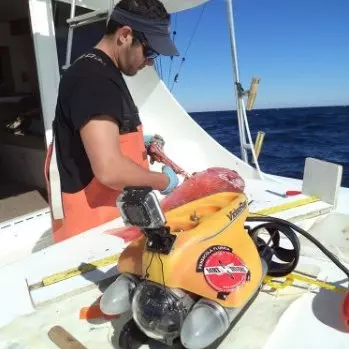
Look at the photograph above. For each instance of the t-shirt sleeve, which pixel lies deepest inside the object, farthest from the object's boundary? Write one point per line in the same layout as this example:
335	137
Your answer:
92	96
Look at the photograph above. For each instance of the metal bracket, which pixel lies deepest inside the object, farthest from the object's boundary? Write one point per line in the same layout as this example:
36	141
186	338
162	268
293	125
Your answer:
80	21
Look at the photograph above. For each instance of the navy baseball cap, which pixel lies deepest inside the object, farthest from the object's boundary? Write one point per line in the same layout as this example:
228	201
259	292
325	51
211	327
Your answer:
156	31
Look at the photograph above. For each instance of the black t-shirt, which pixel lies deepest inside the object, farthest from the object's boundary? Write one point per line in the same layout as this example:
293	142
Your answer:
92	86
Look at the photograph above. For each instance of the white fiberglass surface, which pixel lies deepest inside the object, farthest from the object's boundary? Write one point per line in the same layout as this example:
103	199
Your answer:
307	311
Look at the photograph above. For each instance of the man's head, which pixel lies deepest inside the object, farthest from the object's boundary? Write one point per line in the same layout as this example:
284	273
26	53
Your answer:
137	32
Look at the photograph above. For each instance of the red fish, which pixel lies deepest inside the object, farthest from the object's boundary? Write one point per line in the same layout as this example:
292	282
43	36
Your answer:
127	233
345	311
208	182
211	181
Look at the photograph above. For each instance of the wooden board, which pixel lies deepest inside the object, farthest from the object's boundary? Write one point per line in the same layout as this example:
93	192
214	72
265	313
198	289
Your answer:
64	339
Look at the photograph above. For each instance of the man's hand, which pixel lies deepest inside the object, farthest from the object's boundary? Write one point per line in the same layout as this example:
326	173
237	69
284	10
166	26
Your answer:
149	139
173	180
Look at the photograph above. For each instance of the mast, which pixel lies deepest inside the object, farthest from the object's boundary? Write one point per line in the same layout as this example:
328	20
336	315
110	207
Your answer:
240	104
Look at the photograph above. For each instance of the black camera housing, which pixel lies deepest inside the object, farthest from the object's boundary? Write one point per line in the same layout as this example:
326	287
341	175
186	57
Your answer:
140	207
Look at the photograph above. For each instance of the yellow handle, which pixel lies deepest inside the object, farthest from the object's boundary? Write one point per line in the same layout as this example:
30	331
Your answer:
268	280
252	93
259	143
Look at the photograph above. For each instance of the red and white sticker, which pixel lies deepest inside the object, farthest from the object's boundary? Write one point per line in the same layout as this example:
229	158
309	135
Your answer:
224	271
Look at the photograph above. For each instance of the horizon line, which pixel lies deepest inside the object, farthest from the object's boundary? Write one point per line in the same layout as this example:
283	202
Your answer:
270	108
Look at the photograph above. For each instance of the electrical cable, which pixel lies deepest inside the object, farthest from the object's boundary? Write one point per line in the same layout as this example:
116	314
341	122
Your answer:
308	236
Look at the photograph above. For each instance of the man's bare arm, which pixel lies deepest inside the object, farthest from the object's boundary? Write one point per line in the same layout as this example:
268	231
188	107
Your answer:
100	137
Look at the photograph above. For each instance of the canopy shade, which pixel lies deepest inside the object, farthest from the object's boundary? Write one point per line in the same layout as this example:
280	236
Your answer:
171	5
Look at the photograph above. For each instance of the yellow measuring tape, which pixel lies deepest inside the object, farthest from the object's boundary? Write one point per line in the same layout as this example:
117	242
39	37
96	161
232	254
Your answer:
69	273
289	280
86	267
286	206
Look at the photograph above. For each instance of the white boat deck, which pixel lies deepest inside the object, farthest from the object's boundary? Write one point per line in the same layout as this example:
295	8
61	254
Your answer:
28	234
313	315
35	310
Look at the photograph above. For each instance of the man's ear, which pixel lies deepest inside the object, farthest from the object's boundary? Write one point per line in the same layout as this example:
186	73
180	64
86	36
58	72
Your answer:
124	34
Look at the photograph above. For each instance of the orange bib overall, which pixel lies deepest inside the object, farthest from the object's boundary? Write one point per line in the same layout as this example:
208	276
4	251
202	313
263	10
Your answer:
74	213
96	203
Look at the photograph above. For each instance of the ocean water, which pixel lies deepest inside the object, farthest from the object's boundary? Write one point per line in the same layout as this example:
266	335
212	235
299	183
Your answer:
291	135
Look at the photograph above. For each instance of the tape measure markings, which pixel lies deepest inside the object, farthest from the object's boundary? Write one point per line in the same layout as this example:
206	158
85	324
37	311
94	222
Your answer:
286	206
69	273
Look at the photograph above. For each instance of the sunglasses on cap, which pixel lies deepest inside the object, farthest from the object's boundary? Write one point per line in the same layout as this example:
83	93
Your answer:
148	52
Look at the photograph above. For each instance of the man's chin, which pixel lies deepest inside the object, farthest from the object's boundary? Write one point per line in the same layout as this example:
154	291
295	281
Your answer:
130	73
133	72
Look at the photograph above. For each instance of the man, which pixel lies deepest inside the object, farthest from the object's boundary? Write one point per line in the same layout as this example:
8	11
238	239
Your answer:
98	146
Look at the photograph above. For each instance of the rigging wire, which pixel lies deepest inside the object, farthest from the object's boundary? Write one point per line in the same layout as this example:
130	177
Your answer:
174	41
175	80
156	66
160	65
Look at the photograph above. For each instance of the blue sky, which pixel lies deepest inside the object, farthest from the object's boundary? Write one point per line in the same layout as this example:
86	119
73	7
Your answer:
299	49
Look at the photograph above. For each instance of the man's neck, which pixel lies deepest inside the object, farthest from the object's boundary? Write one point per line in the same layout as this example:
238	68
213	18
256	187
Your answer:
105	46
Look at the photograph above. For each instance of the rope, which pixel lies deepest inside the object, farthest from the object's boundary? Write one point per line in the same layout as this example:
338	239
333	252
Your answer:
156	66
175	80
170	71
160	64
174	41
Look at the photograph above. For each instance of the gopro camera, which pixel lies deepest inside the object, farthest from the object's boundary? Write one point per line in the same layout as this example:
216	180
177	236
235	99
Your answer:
140	207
